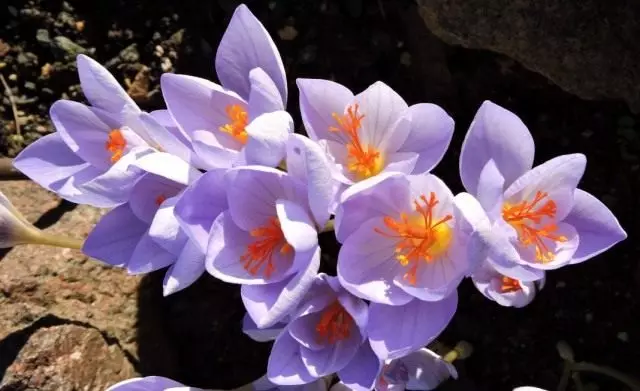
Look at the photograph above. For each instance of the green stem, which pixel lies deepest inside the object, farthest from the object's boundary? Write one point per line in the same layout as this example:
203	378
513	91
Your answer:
328	227
462	350
48	239
610	372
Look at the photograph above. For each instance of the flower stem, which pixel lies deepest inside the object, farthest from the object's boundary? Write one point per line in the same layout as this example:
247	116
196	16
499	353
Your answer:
328	227
462	350
633	383
57	241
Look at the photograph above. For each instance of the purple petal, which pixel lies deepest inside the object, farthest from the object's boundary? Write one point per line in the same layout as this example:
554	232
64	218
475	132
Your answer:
250	328
332	358
297	226
497	134
185	271
168	166
430	134
562	251
246	45
307	162
52	165
427	370
557	177
264	96
303	330
167	140
597	227
384	125
268	135
319	100
404	162
148	193
100	87
165	228
367	265
268	304
285	366
491	189
148	257
200	204
382	195
115	236
149	383
361	373
414	325
358	309
210	154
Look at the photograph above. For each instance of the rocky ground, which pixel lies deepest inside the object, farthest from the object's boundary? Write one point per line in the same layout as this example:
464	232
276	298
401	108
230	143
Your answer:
58	308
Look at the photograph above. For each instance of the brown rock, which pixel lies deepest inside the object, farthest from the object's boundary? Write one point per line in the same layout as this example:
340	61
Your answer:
67	358
587	47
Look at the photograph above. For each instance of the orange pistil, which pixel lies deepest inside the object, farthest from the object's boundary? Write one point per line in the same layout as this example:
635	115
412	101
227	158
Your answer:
526	218
509	285
334	324
259	254
160	199
238	121
116	144
421	237
363	162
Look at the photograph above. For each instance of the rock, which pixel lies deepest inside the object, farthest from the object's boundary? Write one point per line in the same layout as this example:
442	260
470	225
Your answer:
67	358
586	48
68	47
43	37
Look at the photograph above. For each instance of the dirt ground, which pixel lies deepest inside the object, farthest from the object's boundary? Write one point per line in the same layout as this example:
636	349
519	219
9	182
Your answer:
593	306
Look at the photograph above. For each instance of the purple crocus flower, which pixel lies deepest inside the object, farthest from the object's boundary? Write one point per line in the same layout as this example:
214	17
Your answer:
243	120
88	159
374	131
541	221
151	383
506	291
327	334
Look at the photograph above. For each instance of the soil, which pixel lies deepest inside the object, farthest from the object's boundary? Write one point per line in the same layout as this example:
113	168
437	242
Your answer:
592	306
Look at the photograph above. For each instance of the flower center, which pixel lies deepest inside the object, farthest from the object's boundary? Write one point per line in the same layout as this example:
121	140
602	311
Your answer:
259	254
115	144
509	285
363	161
160	199
334	324
238	121
527	218
421	237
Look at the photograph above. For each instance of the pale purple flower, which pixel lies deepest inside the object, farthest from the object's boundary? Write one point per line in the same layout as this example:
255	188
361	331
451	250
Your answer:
506	291
541	221
151	383
528	388
326	335
243	120
420	370
251	329
88	159
264	384
374	131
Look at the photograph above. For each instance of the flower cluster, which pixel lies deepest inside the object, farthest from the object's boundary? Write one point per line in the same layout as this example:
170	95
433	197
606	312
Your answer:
220	183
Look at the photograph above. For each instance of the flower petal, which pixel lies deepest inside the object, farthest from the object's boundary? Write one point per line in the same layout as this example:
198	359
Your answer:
200	204
100	87
498	134
285	366
149	383
185	271
250	328
115	236
210	154
597	227
148	257
165	228
332	358
297	226
319	100
268	304
562	251
427	370
361	373
264	96
168	166
415	324
149	192
490	189
268	135
429	136
557	177
167	140
404	162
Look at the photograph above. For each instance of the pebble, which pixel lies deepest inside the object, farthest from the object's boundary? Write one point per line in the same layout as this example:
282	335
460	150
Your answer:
166	64
288	33
405	59
623	336
29	85
43	37
48	91
13	77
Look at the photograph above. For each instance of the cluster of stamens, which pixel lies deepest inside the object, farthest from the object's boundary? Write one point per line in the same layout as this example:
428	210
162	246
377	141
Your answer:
238	121
508	285
259	254
334	324
115	144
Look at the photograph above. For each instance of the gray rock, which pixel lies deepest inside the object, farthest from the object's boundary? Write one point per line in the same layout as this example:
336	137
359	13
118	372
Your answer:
68	47
586	47
43	37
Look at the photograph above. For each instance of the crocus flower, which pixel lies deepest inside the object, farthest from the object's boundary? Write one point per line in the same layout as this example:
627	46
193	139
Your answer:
528	388
87	160
506	291
227	123
541	221
263	384
326	335
374	131
151	383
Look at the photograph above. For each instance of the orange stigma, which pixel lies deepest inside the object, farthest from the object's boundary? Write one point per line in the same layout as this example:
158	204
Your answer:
160	199
115	144
421	237
259	254
238	121
334	324
363	162
526	218
509	285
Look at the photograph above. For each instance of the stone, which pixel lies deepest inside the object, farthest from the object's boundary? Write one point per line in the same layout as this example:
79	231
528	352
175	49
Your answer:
583	46
67	358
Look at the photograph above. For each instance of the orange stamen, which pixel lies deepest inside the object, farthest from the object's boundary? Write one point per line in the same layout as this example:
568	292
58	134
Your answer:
238	121
527	219
364	162
160	199
115	144
259	254
421	237
509	285
334	324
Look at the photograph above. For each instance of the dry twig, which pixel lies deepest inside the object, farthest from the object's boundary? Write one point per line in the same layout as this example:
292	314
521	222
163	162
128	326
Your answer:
13	104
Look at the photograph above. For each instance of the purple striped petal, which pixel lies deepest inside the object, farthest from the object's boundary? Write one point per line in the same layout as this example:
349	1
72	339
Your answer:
361	373
319	100
285	366
185	271
264	96
268	135
100	87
